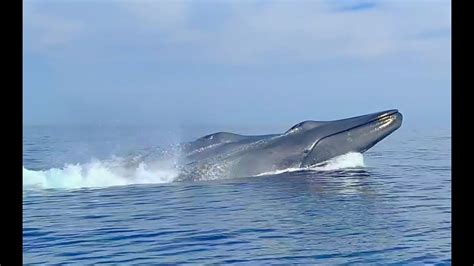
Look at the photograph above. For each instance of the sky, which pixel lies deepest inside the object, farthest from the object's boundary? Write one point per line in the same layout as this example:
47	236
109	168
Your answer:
183	62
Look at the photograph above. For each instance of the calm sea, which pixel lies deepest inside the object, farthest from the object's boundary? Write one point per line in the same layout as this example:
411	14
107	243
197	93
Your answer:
82	206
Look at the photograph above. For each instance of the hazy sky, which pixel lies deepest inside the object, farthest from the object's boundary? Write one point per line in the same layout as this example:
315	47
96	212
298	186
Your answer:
234	62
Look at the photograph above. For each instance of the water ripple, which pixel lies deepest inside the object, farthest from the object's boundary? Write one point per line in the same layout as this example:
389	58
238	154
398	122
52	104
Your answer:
397	210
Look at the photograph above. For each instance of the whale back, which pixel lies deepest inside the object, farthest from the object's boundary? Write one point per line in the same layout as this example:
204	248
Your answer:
212	140
304	126
219	137
220	143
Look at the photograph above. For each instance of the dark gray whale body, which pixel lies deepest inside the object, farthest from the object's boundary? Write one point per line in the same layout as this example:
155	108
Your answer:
306	144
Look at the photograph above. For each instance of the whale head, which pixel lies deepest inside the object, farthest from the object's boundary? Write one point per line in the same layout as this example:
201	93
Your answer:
319	141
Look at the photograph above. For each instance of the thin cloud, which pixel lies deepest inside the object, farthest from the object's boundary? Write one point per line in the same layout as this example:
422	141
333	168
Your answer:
44	32
356	6
134	60
256	33
298	31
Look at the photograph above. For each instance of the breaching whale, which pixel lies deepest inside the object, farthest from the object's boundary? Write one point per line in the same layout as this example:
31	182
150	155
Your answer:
309	143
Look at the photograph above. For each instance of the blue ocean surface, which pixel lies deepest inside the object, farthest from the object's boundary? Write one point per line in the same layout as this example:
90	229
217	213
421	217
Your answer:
83	204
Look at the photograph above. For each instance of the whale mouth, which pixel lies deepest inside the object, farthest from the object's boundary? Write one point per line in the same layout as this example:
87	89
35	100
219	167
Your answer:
383	120
364	133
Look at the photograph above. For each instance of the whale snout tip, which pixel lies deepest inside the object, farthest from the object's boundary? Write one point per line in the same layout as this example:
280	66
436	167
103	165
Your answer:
398	119
394	118
398	115
393	114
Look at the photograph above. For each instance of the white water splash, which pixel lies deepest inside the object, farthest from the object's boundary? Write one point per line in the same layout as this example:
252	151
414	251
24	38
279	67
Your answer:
119	172
348	160
98	174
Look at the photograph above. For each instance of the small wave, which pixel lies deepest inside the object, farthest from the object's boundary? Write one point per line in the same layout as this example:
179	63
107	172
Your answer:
97	174
348	160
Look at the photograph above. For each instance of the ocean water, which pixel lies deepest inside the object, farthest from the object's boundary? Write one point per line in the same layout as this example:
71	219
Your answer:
83	204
